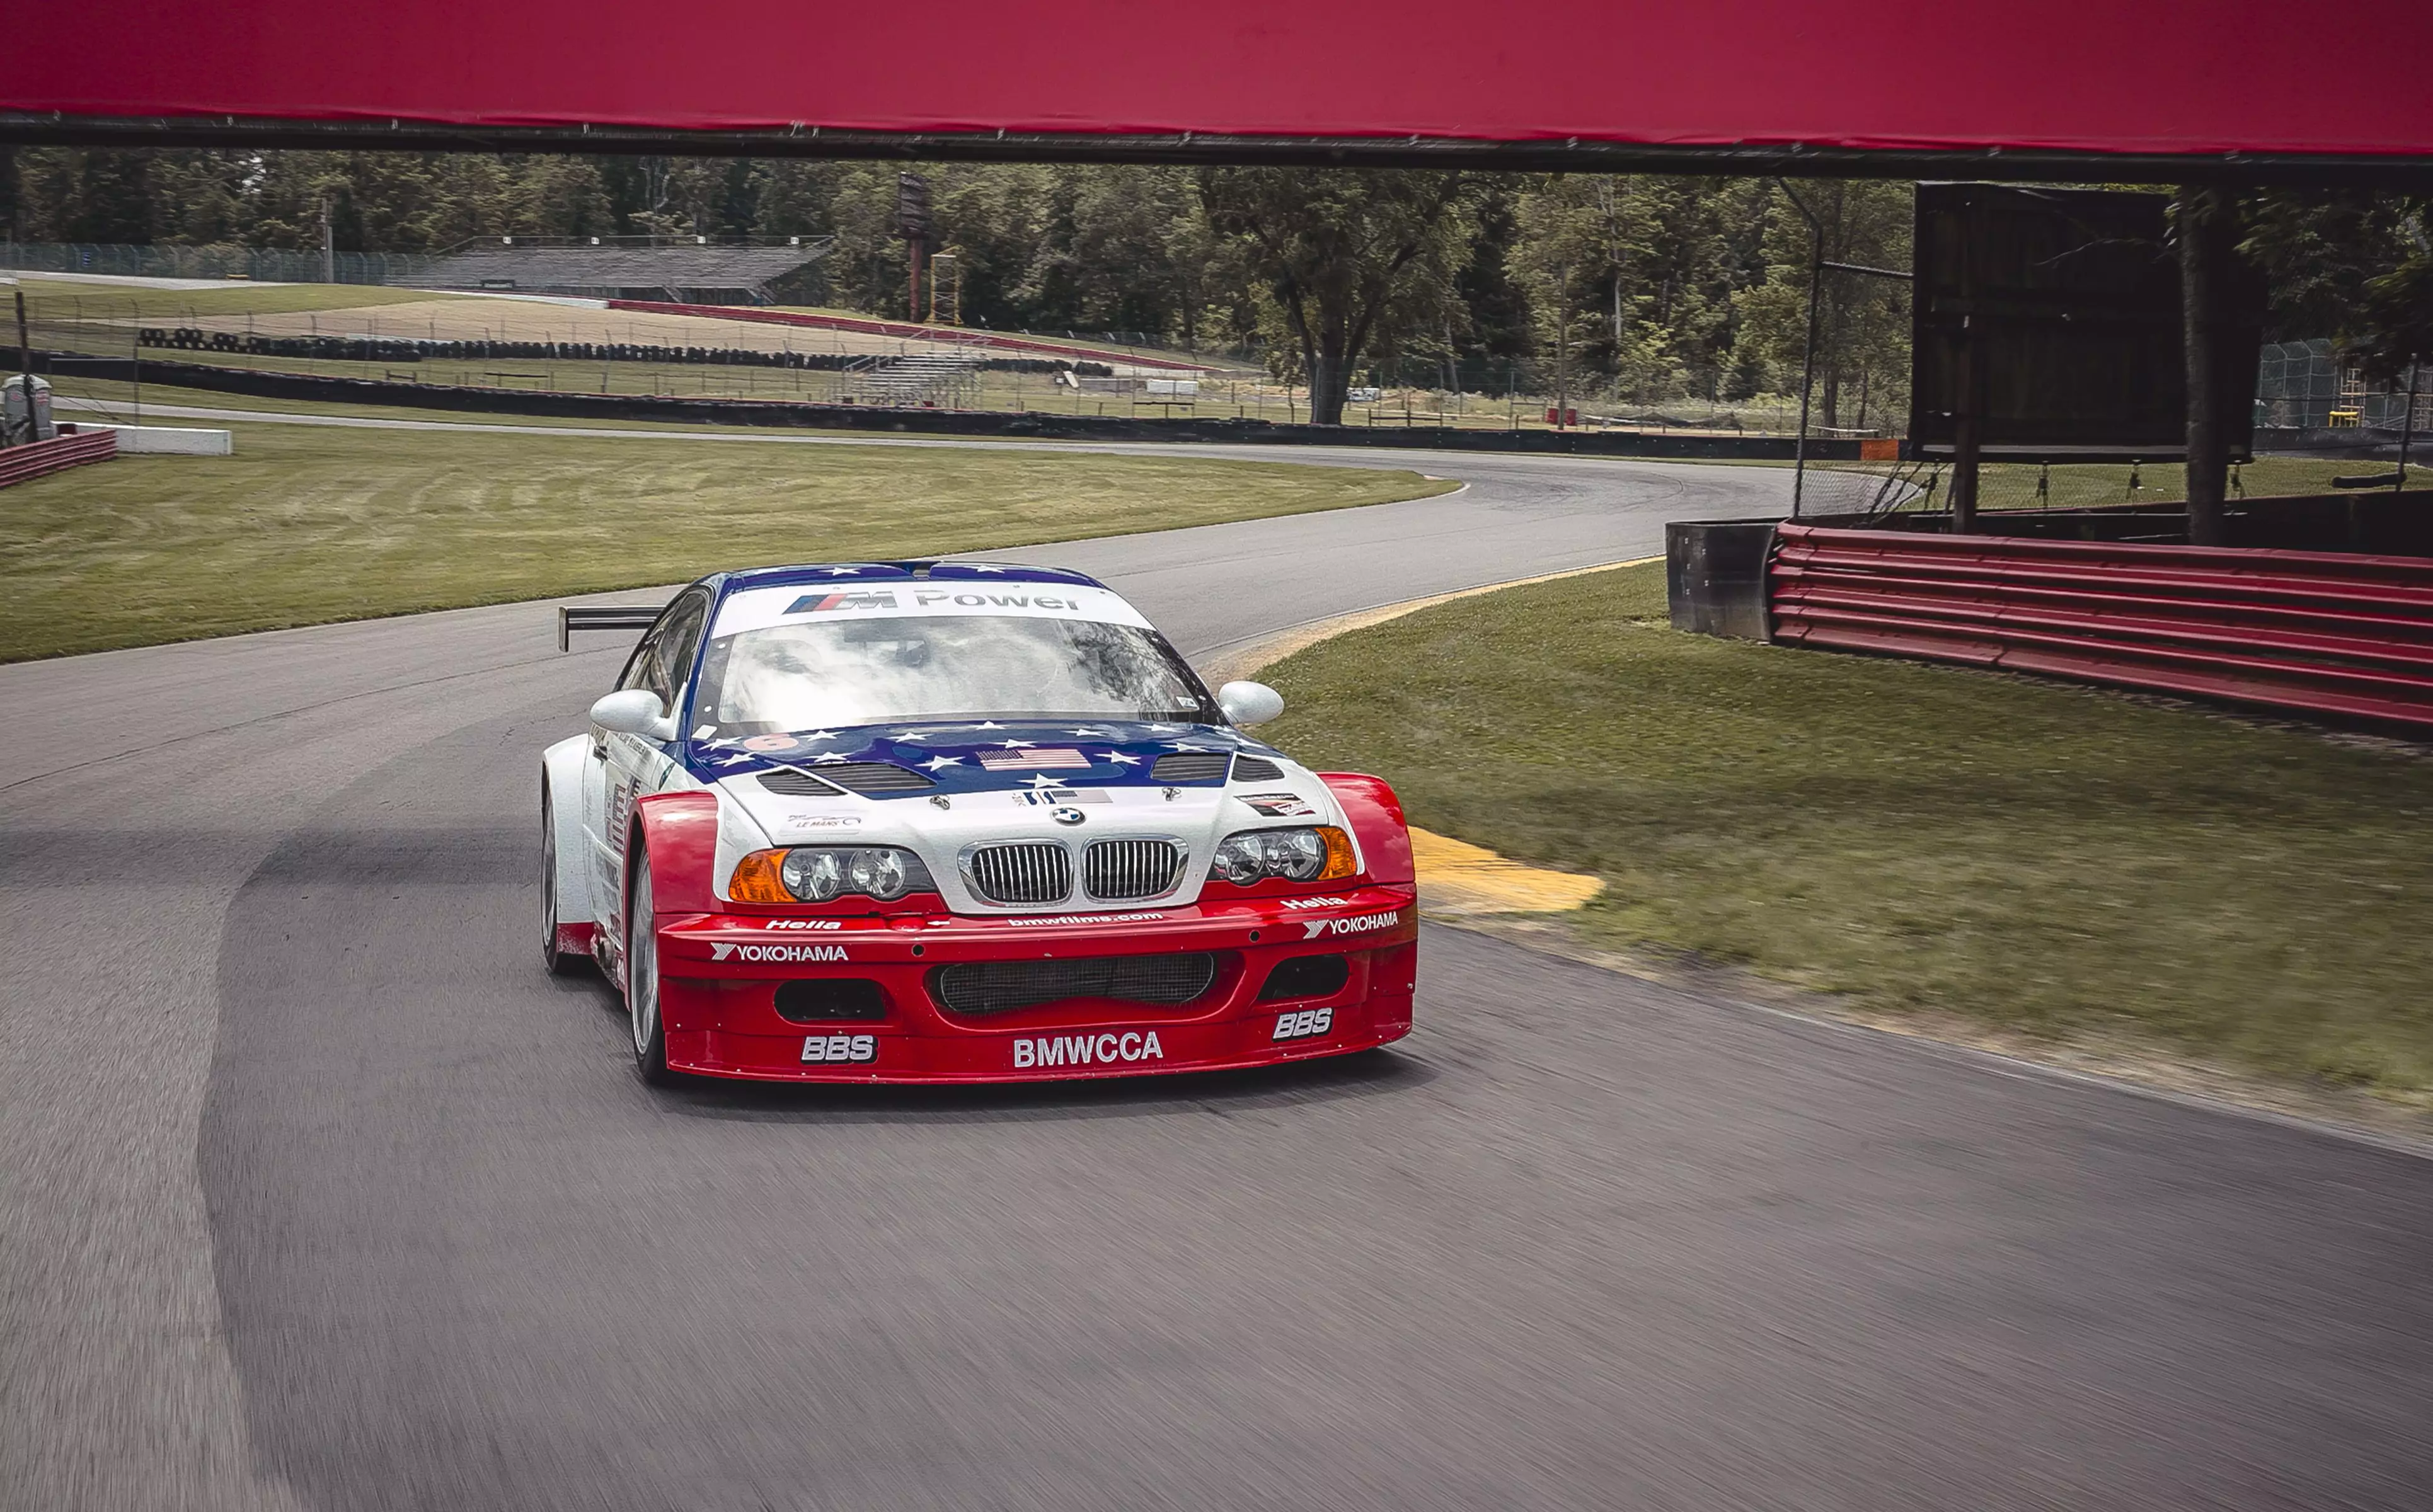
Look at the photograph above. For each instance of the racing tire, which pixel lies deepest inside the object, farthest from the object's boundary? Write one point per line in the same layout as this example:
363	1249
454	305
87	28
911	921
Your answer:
642	980
559	962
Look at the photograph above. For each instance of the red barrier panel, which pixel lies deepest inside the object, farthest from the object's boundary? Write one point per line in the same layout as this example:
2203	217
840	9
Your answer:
899	329
2079	76
2309	630
17	464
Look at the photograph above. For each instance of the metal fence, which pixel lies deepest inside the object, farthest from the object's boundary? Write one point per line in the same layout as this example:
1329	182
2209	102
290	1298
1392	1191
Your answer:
2307	385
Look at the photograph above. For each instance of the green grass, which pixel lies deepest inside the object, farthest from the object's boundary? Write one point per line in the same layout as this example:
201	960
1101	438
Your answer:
308	524
2045	858
1838	486
2013	485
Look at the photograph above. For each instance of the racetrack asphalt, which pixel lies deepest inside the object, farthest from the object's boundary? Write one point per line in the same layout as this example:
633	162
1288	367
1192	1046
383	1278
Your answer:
322	1195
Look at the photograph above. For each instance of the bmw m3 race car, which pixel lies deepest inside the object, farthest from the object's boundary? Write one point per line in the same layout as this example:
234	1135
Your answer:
948	822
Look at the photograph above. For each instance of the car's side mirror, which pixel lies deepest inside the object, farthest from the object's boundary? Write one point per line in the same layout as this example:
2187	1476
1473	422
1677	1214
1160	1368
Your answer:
633	711
1249	703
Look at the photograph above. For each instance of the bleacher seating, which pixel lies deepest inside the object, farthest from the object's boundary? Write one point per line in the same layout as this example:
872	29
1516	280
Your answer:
692	273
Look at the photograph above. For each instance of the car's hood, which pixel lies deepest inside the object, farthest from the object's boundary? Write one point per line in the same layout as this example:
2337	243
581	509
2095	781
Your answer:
1072	782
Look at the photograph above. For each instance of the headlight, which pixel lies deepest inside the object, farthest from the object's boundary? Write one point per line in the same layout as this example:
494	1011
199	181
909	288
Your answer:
1322	853
823	874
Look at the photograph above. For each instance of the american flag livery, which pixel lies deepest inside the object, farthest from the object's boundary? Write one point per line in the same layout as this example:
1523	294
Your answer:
1032	760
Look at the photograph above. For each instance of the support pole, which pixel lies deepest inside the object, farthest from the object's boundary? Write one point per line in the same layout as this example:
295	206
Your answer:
1562	343
2407	427
2202	275
1808	364
1967	427
26	366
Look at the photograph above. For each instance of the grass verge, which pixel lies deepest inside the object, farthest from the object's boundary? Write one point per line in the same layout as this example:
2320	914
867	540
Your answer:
307	524
2047	858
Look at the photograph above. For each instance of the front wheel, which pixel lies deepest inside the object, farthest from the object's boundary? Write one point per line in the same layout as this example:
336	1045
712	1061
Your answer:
642	980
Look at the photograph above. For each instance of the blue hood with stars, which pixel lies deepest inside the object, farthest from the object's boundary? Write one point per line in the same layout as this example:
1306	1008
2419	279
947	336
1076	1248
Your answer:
988	756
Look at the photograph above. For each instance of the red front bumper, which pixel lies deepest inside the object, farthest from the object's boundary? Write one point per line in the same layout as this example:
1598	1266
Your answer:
721	973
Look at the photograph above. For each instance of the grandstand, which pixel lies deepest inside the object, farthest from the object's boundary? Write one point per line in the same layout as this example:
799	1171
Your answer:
612	267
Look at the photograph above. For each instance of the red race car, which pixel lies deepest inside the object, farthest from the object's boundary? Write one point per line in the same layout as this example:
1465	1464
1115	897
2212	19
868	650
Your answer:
933	821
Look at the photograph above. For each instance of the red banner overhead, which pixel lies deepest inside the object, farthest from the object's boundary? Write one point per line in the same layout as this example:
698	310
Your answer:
2072	77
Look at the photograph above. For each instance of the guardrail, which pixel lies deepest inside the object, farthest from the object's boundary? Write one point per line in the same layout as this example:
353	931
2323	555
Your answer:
36	458
2323	634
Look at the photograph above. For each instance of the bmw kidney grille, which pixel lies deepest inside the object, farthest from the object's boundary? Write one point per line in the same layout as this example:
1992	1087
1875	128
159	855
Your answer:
1118	869
1021	871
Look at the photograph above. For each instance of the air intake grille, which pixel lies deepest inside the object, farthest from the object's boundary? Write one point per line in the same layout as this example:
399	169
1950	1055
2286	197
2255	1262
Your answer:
1190	765
797	785
1257	769
1002	986
875	776
1021	872
1116	869
1306	976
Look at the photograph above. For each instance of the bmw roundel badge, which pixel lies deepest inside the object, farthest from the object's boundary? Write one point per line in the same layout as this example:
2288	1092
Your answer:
1067	816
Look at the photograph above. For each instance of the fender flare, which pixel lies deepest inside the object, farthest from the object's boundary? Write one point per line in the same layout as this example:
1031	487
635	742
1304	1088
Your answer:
680	830
1377	823
561	788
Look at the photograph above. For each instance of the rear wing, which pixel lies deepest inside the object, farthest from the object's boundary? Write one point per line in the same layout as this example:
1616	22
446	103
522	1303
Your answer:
614	616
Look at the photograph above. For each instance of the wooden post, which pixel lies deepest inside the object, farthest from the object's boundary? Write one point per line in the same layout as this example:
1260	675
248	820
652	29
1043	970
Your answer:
2203	253
1967	430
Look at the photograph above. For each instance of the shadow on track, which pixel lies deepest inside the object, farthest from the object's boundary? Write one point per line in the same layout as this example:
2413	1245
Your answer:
1367	1074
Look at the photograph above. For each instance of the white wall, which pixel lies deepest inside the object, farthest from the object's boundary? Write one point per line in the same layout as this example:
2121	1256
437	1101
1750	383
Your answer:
138	440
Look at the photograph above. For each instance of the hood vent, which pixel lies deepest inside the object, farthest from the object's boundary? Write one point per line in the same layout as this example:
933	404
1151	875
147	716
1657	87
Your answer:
854	776
1190	765
1249	768
798	785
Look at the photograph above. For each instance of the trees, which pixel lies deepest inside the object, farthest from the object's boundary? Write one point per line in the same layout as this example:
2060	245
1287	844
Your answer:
1351	256
2352	264
1862	323
1653	288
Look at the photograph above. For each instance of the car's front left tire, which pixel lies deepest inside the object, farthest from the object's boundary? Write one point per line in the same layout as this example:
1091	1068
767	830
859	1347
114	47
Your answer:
642	980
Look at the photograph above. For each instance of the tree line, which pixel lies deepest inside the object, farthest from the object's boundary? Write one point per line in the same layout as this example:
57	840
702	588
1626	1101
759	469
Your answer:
1630	289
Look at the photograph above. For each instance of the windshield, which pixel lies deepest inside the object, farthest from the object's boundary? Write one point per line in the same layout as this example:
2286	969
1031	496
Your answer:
806	676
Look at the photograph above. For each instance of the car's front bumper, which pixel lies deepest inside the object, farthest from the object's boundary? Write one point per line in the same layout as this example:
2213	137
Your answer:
719	976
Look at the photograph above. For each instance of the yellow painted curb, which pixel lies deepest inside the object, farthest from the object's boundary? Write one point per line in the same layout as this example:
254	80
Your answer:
1458	877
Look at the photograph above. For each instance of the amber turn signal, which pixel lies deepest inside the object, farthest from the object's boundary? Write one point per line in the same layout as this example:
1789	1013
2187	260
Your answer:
1339	863
758	879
